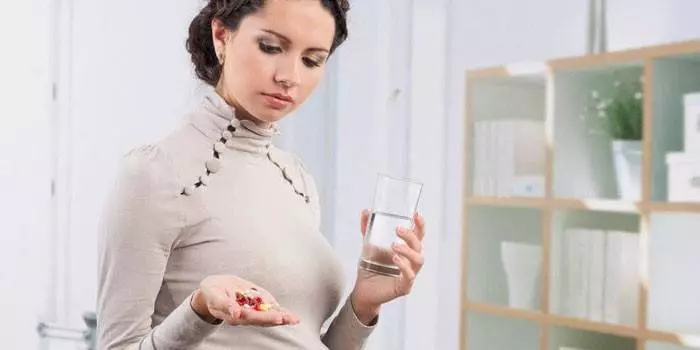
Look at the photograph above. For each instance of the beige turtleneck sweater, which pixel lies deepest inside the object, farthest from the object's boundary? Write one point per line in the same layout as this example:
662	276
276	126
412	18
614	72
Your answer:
206	200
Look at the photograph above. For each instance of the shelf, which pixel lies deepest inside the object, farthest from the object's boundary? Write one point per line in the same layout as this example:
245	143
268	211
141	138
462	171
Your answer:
626	56
549	319
671	78
572	338
582	204
505	311
675	207
505	256
670	341
583	161
535	71
673	285
598	205
594	266
507	202
486	331
658	337
602	205
507	148
604	266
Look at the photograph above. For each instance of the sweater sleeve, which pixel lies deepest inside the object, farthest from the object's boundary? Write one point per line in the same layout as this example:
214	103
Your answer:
142	218
346	331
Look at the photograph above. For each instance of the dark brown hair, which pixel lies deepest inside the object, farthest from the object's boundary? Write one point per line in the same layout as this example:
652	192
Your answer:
231	12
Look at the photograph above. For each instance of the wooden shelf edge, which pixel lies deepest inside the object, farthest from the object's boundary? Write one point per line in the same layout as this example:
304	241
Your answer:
561	203
487	72
555	320
638	54
629	55
606	328
504	311
608	205
675	207
513	70
689	340
506	201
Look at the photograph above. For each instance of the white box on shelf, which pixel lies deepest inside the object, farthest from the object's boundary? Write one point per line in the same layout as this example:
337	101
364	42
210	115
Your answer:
691	123
683	177
528	186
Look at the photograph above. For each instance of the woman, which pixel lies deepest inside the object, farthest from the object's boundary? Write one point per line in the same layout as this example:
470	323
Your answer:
211	238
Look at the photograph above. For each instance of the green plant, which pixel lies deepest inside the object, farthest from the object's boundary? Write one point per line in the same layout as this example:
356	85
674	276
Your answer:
619	115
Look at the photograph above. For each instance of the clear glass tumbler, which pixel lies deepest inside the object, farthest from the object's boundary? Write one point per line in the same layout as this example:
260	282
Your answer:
395	203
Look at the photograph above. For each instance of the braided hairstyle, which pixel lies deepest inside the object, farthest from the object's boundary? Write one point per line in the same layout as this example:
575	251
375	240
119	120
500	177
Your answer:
200	45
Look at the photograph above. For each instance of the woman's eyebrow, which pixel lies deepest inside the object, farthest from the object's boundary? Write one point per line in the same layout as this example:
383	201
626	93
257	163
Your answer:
288	41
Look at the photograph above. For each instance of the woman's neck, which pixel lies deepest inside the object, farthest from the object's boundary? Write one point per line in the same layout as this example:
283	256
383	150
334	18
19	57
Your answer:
241	113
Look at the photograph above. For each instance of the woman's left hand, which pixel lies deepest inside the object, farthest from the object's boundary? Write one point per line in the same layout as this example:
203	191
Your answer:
371	289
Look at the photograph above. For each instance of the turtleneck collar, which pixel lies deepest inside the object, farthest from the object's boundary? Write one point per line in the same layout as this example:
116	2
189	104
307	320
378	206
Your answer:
217	120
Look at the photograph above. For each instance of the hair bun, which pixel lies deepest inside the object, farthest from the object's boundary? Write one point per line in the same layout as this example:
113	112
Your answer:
344	5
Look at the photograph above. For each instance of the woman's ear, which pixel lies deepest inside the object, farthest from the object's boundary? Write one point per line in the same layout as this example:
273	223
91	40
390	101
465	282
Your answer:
219	36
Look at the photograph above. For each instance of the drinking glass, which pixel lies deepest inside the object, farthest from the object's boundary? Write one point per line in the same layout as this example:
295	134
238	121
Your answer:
395	202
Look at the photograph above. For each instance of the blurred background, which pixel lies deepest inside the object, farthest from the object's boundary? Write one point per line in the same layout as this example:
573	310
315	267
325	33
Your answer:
81	82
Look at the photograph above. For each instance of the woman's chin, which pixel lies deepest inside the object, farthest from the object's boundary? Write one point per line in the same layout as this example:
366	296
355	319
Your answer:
271	116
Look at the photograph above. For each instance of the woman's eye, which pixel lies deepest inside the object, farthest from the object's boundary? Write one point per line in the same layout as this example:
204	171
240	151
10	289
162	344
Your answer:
311	63
270	49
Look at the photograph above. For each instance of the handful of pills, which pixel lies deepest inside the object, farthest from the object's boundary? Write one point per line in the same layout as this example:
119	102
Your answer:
251	299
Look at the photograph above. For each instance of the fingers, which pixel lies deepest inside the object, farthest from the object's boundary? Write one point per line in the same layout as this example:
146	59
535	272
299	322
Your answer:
414	257
364	221
410	237
261	318
289	317
419	224
407	274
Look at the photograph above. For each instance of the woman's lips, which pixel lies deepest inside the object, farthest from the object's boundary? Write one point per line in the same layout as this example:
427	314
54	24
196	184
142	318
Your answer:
278	101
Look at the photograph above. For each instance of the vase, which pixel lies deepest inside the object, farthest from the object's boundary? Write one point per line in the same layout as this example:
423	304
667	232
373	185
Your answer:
627	160
521	262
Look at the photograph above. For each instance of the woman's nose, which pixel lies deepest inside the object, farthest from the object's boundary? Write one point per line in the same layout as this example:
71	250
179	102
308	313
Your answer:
288	74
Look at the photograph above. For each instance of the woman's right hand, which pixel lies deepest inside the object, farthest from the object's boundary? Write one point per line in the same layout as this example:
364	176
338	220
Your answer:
216	299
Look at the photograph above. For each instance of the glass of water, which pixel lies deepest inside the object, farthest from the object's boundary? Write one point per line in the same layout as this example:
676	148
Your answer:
395	202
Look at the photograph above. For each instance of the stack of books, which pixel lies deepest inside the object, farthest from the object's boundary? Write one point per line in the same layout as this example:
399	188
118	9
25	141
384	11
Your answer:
509	158
596	274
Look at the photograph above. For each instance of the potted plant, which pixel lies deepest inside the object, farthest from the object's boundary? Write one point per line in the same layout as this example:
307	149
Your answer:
619	116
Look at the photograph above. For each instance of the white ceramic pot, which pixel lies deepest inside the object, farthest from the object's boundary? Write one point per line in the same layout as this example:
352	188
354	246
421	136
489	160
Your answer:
627	159
521	262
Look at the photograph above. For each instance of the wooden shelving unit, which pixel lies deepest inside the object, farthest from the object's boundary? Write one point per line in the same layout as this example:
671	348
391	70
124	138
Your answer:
579	191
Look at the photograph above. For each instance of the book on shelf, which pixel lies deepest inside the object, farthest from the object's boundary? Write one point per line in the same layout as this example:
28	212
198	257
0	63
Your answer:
597	275
509	157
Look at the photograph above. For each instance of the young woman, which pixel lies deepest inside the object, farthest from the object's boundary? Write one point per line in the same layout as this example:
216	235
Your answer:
211	239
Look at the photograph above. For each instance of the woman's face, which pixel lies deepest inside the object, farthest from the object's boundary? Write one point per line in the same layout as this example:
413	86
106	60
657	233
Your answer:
275	59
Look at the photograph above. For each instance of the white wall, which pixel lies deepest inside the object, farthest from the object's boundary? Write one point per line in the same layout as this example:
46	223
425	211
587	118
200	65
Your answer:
25	167
129	83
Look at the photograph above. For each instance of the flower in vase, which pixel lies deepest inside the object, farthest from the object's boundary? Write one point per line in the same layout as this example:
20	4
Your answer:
617	111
